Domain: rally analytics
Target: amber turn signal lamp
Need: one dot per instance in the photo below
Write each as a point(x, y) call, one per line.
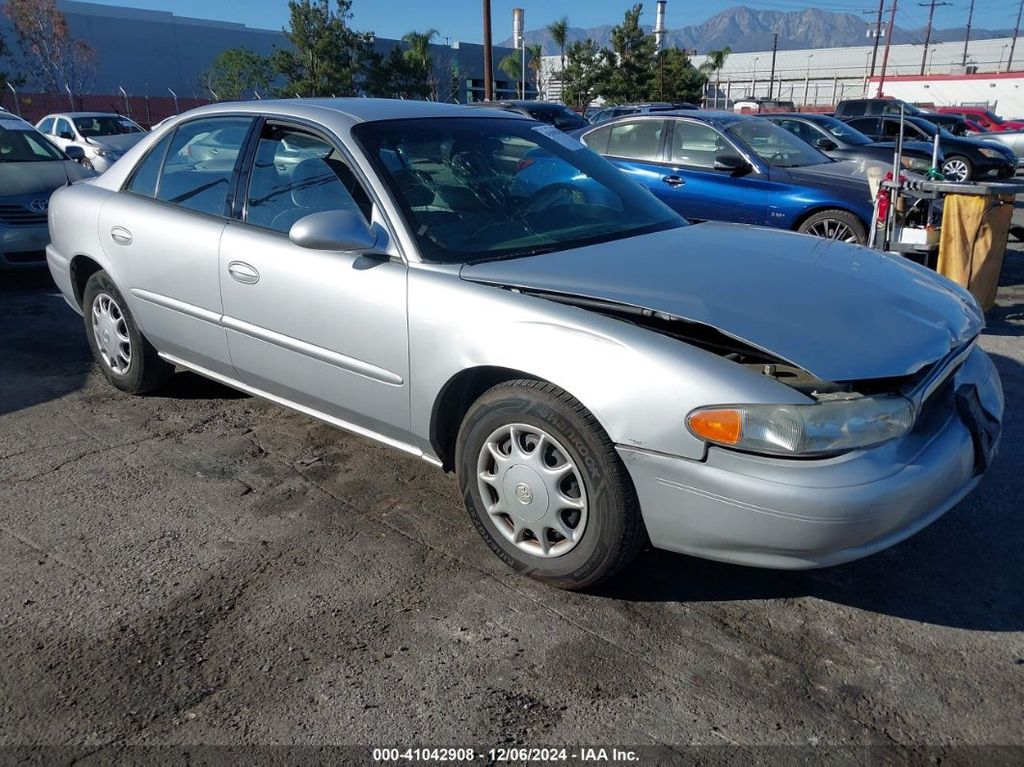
point(722, 426)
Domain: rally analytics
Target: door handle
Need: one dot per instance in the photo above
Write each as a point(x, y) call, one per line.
point(244, 273)
point(673, 180)
point(121, 236)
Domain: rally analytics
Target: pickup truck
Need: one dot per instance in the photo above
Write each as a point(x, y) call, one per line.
point(850, 108)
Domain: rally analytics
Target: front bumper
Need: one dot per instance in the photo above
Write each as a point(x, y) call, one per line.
point(23, 247)
point(798, 514)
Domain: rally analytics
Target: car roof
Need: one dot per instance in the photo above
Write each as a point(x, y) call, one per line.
point(711, 116)
point(352, 110)
point(85, 114)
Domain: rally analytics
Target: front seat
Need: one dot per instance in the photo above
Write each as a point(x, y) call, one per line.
point(315, 187)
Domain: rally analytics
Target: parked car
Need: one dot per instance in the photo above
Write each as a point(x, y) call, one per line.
point(986, 118)
point(841, 141)
point(1009, 140)
point(721, 166)
point(30, 169)
point(552, 113)
point(102, 136)
point(622, 110)
point(967, 159)
point(850, 108)
point(756, 106)
point(596, 375)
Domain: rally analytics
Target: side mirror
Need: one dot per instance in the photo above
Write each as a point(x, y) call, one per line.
point(76, 153)
point(826, 144)
point(732, 163)
point(333, 230)
point(66, 134)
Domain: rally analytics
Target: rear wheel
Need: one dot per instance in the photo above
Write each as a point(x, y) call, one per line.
point(835, 225)
point(126, 358)
point(544, 486)
point(957, 168)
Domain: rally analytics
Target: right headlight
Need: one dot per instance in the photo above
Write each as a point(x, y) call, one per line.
point(831, 426)
point(992, 154)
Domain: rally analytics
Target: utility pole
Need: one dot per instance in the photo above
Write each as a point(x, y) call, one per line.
point(775, 48)
point(1016, 31)
point(878, 34)
point(888, 42)
point(967, 37)
point(488, 75)
point(928, 30)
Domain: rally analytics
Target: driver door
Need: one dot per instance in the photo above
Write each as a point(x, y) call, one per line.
point(325, 330)
point(701, 193)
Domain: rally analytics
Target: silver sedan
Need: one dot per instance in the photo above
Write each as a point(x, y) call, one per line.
point(596, 371)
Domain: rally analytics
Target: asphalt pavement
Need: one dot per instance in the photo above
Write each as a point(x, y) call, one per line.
point(198, 566)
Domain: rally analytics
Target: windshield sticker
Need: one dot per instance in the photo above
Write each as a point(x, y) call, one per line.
point(558, 137)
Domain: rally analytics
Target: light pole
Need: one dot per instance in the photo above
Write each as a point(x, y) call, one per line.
point(127, 106)
point(753, 77)
point(176, 110)
point(17, 106)
point(807, 77)
point(999, 67)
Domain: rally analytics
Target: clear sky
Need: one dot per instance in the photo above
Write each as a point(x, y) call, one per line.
point(460, 19)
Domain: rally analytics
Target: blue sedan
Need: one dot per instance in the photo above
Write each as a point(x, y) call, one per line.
point(727, 167)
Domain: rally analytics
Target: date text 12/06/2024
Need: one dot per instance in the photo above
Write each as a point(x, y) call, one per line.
point(505, 754)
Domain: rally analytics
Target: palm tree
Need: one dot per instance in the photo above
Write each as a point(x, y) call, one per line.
point(559, 31)
point(511, 65)
point(534, 62)
point(713, 63)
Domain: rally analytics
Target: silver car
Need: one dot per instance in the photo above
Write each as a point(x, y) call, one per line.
point(102, 136)
point(595, 371)
point(30, 169)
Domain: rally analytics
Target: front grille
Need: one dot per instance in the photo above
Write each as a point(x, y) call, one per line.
point(26, 257)
point(17, 215)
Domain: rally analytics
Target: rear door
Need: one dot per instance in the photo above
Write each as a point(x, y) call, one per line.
point(636, 146)
point(692, 186)
point(162, 234)
point(326, 330)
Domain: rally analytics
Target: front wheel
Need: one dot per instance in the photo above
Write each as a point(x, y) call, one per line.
point(957, 169)
point(126, 358)
point(835, 225)
point(544, 486)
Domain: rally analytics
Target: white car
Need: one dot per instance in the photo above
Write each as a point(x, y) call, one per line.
point(103, 136)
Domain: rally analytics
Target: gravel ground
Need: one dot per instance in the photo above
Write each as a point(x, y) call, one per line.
point(202, 567)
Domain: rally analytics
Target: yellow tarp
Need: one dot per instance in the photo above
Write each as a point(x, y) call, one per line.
point(973, 241)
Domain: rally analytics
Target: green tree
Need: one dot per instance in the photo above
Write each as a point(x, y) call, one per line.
point(630, 60)
point(559, 31)
point(585, 70)
point(535, 63)
point(682, 80)
point(238, 72)
point(327, 55)
point(407, 73)
point(512, 65)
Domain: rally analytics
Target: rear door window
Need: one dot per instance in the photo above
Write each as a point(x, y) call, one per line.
point(636, 140)
point(200, 163)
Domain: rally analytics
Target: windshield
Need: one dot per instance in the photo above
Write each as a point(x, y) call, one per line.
point(486, 188)
point(842, 131)
point(105, 125)
point(993, 117)
point(20, 143)
point(775, 145)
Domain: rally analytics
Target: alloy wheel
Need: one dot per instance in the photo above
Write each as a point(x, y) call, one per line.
point(955, 170)
point(532, 490)
point(832, 229)
point(110, 330)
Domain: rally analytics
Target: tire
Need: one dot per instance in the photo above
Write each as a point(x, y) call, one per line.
point(835, 224)
point(958, 168)
point(606, 528)
point(126, 358)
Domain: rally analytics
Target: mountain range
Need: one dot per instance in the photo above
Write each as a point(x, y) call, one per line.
point(746, 29)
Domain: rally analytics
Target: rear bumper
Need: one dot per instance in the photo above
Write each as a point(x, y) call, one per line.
point(789, 514)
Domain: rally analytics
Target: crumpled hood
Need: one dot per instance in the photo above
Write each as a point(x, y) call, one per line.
point(37, 178)
point(839, 311)
point(118, 142)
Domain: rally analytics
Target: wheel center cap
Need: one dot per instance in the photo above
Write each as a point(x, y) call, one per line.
point(528, 497)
